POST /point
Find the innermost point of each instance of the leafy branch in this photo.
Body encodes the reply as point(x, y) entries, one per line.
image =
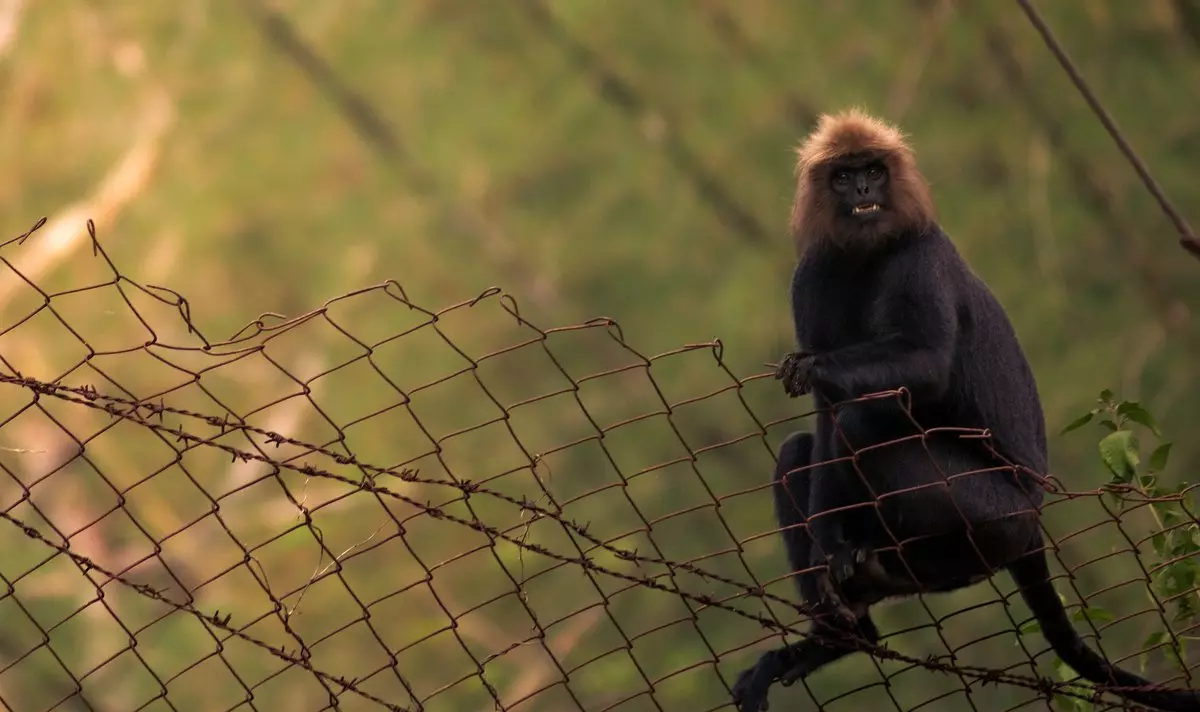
point(1175, 571)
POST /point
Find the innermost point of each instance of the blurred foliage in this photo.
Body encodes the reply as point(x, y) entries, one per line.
point(1172, 566)
point(614, 158)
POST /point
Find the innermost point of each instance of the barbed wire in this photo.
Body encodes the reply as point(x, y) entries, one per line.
point(260, 491)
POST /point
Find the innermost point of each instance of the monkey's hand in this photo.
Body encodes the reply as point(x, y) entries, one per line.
point(795, 371)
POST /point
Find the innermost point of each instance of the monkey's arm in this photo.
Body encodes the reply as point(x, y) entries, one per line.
point(916, 327)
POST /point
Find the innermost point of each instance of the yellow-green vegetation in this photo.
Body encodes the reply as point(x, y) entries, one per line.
point(630, 160)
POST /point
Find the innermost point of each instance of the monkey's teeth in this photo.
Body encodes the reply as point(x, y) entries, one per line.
point(865, 208)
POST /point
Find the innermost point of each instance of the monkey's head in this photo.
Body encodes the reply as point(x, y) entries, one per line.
point(857, 184)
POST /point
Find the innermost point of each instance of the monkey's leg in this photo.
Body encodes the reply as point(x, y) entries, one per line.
point(834, 486)
point(792, 488)
point(796, 512)
point(957, 514)
point(789, 663)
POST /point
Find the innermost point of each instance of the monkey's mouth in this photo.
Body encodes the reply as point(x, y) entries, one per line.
point(866, 209)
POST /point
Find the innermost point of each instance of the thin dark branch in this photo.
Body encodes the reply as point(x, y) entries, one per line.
point(1186, 237)
point(619, 93)
point(362, 116)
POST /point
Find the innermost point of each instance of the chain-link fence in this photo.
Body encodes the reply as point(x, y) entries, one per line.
point(381, 505)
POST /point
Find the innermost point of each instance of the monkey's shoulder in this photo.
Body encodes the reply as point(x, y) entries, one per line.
point(831, 280)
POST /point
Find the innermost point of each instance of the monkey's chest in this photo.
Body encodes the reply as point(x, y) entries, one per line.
point(828, 321)
point(834, 302)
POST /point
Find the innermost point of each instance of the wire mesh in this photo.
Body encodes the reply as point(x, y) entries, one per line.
point(377, 505)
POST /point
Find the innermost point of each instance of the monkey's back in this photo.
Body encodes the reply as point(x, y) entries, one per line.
point(992, 371)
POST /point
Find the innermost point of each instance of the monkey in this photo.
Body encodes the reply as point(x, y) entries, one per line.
point(883, 303)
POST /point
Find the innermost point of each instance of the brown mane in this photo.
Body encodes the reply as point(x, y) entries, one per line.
point(848, 132)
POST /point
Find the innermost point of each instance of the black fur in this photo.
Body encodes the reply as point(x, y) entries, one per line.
point(908, 312)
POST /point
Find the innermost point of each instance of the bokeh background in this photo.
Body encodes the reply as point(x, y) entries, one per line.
point(624, 159)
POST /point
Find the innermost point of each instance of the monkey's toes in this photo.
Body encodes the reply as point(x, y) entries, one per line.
point(790, 677)
point(750, 690)
point(842, 564)
point(832, 602)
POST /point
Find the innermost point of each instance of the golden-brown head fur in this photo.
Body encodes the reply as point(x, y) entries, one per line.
point(814, 212)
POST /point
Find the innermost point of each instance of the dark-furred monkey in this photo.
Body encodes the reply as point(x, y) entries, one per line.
point(883, 301)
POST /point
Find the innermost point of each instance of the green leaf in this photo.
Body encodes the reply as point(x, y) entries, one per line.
point(1189, 545)
point(1151, 640)
point(1093, 613)
point(1185, 610)
point(1159, 540)
point(1079, 422)
point(1132, 410)
point(1030, 626)
point(1119, 451)
point(1109, 424)
point(1167, 512)
point(1185, 574)
point(1106, 396)
point(1158, 458)
point(1175, 654)
point(1065, 672)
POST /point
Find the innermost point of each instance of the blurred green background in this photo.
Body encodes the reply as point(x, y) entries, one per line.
point(622, 159)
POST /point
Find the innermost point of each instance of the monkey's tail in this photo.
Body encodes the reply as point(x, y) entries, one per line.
point(1032, 575)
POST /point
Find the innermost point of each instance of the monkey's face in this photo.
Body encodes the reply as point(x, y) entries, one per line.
point(860, 185)
point(857, 184)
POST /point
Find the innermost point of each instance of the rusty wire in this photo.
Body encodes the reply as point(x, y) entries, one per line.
point(401, 545)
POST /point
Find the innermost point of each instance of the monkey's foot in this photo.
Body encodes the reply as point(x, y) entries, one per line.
point(844, 562)
point(750, 690)
point(795, 371)
point(841, 566)
point(834, 604)
point(784, 665)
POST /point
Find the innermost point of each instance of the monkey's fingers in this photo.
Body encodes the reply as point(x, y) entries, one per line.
point(788, 372)
point(798, 383)
point(795, 372)
point(787, 366)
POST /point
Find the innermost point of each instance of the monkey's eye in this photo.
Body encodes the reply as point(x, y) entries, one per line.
point(874, 173)
point(841, 177)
